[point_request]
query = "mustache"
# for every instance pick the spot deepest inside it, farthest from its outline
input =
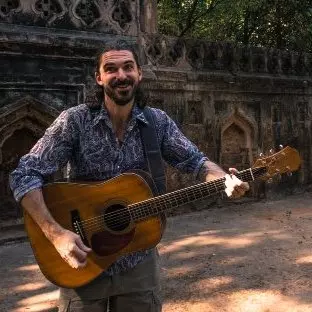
(123, 83)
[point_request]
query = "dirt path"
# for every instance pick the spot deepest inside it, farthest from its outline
(241, 258)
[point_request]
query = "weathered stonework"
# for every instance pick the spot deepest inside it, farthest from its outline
(232, 101)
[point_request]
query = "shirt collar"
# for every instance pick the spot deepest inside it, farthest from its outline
(102, 114)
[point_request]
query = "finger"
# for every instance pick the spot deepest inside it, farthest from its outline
(233, 170)
(242, 189)
(79, 254)
(228, 192)
(82, 246)
(246, 186)
(228, 181)
(76, 264)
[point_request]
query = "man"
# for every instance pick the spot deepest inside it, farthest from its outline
(99, 144)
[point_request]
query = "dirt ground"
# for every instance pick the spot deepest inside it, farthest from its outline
(239, 258)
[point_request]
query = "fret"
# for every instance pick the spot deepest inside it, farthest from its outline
(216, 186)
(193, 195)
(157, 205)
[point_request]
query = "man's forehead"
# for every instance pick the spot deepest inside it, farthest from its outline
(116, 56)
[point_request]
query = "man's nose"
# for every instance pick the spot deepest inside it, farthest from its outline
(121, 74)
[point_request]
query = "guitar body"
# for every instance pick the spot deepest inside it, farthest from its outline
(98, 207)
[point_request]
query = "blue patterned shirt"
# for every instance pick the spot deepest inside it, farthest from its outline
(85, 139)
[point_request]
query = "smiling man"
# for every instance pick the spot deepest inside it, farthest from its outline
(99, 142)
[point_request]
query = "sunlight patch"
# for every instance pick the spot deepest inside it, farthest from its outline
(260, 301)
(306, 259)
(30, 286)
(36, 307)
(38, 299)
(211, 284)
(31, 267)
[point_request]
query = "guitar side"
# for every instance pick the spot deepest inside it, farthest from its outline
(91, 200)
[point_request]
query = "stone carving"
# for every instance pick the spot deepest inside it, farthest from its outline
(195, 112)
(244, 59)
(276, 113)
(274, 62)
(211, 56)
(87, 12)
(196, 55)
(122, 13)
(286, 63)
(302, 111)
(8, 6)
(300, 64)
(176, 52)
(49, 10)
(237, 139)
(258, 60)
(154, 49)
(105, 16)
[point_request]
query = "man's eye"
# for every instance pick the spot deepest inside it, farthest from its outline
(110, 69)
(128, 67)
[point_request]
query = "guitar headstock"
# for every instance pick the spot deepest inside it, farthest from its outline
(286, 160)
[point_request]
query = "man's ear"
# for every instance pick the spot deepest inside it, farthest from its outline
(97, 77)
(140, 73)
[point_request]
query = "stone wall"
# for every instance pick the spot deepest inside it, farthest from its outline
(235, 102)
(232, 101)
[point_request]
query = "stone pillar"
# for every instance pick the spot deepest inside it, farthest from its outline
(148, 16)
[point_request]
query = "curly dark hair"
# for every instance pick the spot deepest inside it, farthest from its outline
(95, 95)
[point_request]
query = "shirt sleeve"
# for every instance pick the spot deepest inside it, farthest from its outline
(177, 150)
(49, 154)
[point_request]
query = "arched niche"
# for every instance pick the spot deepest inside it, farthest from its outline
(21, 124)
(237, 137)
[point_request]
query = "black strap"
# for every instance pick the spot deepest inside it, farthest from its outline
(152, 151)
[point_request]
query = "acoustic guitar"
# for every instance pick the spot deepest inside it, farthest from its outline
(121, 215)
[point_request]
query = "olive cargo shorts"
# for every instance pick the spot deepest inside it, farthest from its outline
(137, 290)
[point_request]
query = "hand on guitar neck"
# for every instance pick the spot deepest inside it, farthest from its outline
(235, 188)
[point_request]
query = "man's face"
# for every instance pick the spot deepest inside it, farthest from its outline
(119, 75)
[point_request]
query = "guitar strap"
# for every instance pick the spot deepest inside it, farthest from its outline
(152, 151)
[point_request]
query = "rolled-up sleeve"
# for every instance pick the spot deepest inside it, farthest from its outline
(49, 154)
(177, 150)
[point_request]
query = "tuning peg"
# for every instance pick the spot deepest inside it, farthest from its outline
(280, 146)
(270, 181)
(261, 155)
(271, 151)
(289, 173)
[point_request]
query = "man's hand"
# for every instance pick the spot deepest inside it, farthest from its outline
(71, 248)
(235, 188)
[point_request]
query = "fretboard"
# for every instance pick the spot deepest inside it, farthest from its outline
(159, 204)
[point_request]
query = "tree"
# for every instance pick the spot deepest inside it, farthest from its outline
(282, 24)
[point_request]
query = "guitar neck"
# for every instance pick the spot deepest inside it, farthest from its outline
(159, 204)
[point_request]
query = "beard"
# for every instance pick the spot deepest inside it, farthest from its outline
(119, 96)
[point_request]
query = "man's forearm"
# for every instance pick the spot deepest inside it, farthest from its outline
(34, 204)
(211, 171)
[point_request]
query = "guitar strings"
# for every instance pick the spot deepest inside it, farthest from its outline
(139, 212)
(136, 212)
(137, 207)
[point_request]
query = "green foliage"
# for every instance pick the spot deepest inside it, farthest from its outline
(282, 24)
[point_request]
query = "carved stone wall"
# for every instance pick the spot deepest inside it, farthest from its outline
(106, 16)
(238, 101)
(232, 101)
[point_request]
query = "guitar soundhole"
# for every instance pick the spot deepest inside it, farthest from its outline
(117, 217)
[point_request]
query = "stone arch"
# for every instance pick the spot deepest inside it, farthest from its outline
(237, 137)
(21, 124)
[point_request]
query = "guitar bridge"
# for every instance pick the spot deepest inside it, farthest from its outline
(78, 227)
